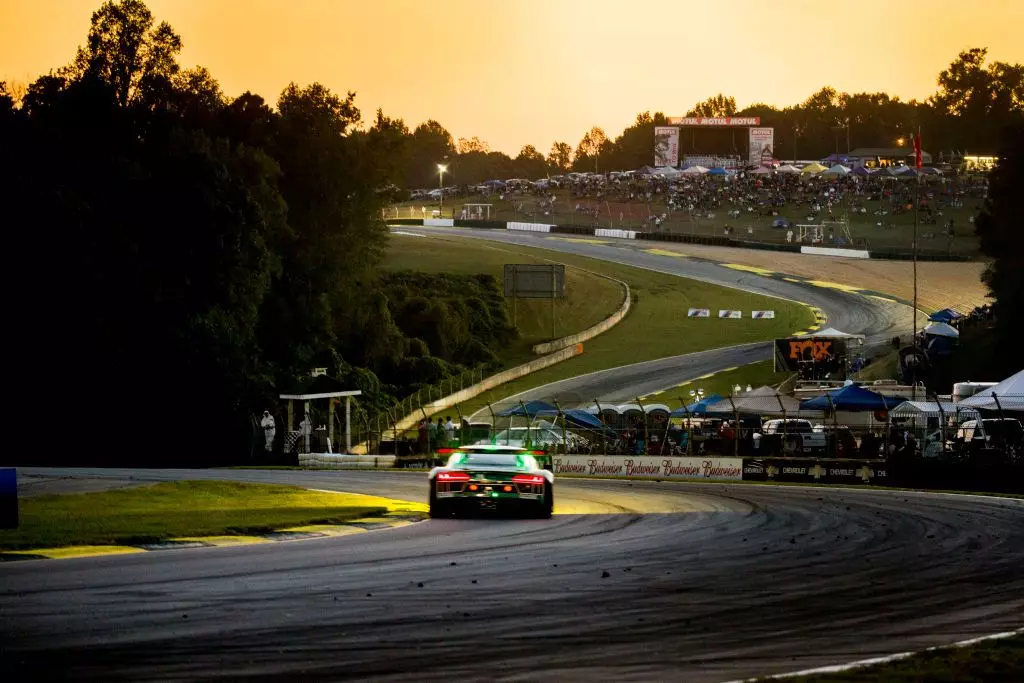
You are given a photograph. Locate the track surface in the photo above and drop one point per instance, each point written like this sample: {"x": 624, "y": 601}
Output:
{"x": 705, "y": 583}
{"x": 878, "y": 320}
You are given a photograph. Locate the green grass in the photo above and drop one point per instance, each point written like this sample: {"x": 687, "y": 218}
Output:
{"x": 590, "y": 298}
{"x": 759, "y": 374}
{"x": 177, "y": 509}
{"x": 991, "y": 661}
{"x": 656, "y": 326}
{"x": 885, "y": 366}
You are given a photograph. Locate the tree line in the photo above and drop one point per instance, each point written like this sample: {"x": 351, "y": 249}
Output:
{"x": 974, "y": 101}
{"x": 178, "y": 258}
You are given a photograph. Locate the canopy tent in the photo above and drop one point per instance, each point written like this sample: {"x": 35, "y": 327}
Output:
{"x": 529, "y": 409}
{"x": 851, "y": 398}
{"x": 718, "y": 170}
{"x": 788, "y": 168}
{"x": 836, "y": 171}
{"x": 760, "y": 401}
{"x": 575, "y": 418}
{"x": 1009, "y": 392}
{"x": 812, "y": 168}
{"x": 666, "y": 172}
{"x": 929, "y": 170}
{"x": 694, "y": 170}
{"x": 946, "y": 315}
{"x": 645, "y": 170}
{"x": 862, "y": 171}
{"x": 833, "y": 333}
{"x": 905, "y": 171}
{"x": 494, "y": 183}
{"x": 761, "y": 170}
{"x": 697, "y": 408}
{"x": 919, "y": 409}
{"x": 941, "y": 330}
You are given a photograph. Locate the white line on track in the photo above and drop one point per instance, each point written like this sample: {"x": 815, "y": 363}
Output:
{"x": 838, "y": 668}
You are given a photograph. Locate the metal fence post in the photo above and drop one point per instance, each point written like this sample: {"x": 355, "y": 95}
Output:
{"x": 689, "y": 427}
{"x": 604, "y": 428}
{"x": 565, "y": 440}
{"x": 736, "y": 429}
{"x": 643, "y": 413}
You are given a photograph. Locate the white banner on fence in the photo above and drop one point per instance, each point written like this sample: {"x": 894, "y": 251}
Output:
{"x": 439, "y": 222}
{"x": 762, "y": 315}
{"x": 651, "y": 466}
{"x": 666, "y": 146}
{"x": 621, "y": 234}
{"x": 762, "y": 146}
{"x": 730, "y": 314}
{"x": 698, "y": 313}
{"x": 529, "y": 227}
{"x": 829, "y": 251}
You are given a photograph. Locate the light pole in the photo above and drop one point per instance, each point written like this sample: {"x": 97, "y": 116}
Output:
{"x": 441, "y": 168}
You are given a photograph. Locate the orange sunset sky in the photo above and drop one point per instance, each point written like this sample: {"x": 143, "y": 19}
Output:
{"x": 535, "y": 71}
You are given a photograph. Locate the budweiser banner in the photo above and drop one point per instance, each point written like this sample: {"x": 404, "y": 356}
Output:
{"x": 707, "y": 121}
{"x": 762, "y": 315}
{"x": 762, "y": 147}
{"x": 698, "y": 313}
{"x": 666, "y": 146}
{"x": 811, "y": 471}
{"x": 650, "y": 467}
{"x": 730, "y": 314}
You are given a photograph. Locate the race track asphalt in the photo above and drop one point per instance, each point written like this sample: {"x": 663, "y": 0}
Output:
{"x": 630, "y": 581}
{"x": 853, "y": 313}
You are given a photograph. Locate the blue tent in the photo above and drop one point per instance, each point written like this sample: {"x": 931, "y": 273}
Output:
{"x": 531, "y": 409}
{"x": 862, "y": 171}
{"x": 946, "y": 315}
{"x": 718, "y": 171}
{"x": 698, "y": 408}
{"x": 575, "y": 418}
{"x": 852, "y": 398}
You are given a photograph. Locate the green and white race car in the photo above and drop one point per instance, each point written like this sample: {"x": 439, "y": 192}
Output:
{"x": 485, "y": 477}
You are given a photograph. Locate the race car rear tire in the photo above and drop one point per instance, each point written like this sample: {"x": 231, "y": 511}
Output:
{"x": 437, "y": 508}
{"x": 547, "y": 508}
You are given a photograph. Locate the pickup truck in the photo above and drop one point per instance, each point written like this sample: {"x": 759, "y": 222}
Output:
{"x": 801, "y": 437}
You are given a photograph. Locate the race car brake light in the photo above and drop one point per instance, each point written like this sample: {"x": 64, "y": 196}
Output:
{"x": 528, "y": 479}
{"x": 452, "y": 476}
{"x": 537, "y": 453}
{"x": 445, "y": 451}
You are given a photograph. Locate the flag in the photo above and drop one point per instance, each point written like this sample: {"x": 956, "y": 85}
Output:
{"x": 917, "y": 149}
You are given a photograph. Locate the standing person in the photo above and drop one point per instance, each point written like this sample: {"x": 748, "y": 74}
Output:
{"x": 438, "y": 434}
{"x": 449, "y": 430}
{"x": 423, "y": 434}
{"x": 269, "y": 430}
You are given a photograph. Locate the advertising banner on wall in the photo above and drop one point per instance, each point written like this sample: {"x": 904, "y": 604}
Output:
{"x": 794, "y": 354}
{"x": 698, "y": 313}
{"x": 730, "y": 314}
{"x": 711, "y": 121}
{"x": 762, "y": 147}
{"x": 666, "y": 146}
{"x": 814, "y": 471}
{"x": 650, "y": 466}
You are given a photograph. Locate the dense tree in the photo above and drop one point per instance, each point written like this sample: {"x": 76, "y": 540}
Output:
{"x": 717, "y": 105}
{"x": 430, "y": 145}
{"x": 998, "y": 227}
{"x": 530, "y": 163}
{"x": 560, "y": 157}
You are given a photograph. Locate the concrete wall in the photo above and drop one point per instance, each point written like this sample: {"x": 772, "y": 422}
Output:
{"x": 830, "y": 251}
{"x": 337, "y": 461}
{"x": 529, "y": 227}
{"x": 439, "y": 222}
{"x": 621, "y": 234}
{"x": 489, "y": 383}
{"x": 592, "y": 331}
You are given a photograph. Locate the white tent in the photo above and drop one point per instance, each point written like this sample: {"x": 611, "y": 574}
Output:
{"x": 695, "y": 170}
{"x": 941, "y": 330}
{"x": 837, "y": 170}
{"x": 935, "y": 409}
{"x": 666, "y": 172}
{"x": 761, "y": 401}
{"x": 833, "y": 333}
{"x": 788, "y": 168}
{"x": 1009, "y": 392}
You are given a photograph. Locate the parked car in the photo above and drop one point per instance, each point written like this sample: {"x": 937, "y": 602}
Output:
{"x": 799, "y": 436}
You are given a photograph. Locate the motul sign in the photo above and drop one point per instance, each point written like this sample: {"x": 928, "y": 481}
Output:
{"x": 714, "y": 121}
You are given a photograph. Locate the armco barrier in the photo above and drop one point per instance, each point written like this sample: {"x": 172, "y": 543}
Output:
{"x": 815, "y": 470}
{"x": 337, "y": 461}
{"x": 529, "y": 227}
{"x": 594, "y": 330}
{"x": 489, "y": 383}
{"x": 620, "y": 234}
{"x": 650, "y": 467}
{"x": 832, "y": 251}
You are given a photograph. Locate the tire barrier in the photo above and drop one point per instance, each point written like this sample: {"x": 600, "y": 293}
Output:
{"x": 529, "y": 227}
{"x": 619, "y": 234}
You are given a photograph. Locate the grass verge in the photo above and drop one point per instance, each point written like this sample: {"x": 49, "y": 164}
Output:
{"x": 657, "y": 325}
{"x": 759, "y": 374}
{"x": 991, "y": 661}
{"x": 590, "y": 298}
{"x": 178, "y": 509}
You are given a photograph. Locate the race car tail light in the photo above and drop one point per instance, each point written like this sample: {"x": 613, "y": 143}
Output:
{"x": 508, "y": 489}
{"x": 453, "y": 476}
{"x": 528, "y": 479}
{"x": 445, "y": 451}
{"x": 537, "y": 453}
{"x": 473, "y": 487}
